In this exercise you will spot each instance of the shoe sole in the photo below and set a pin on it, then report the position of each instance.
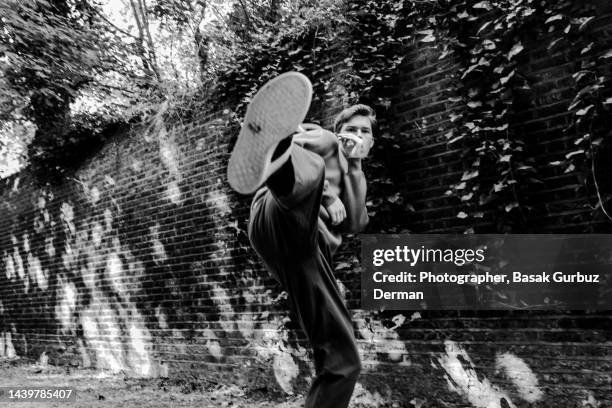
(275, 112)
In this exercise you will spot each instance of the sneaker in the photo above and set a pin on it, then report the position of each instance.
(275, 113)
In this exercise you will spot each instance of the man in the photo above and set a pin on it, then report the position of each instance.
(314, 190)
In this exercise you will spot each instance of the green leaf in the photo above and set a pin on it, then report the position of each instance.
(504, 80)
(516, 49)
(587, 48)
(584, 111)
(584, 22)
(554, 43)
(574, 153)
(488, 45)
(582, 139)
(578, 76)
(483, 27)
(468, 175)
(511, 206)
(554, 18)
(394, 198)
(483, 5)
(456, 139)
(454, 117)
(427, 39)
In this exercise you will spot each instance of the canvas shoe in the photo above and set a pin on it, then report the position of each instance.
(275, 113)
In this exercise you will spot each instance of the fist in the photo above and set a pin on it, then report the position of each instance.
(354, 146)
(337, 212)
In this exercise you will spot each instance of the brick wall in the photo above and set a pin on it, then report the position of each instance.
(429, 165)
(140, 263)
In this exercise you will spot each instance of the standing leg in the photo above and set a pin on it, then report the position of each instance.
(329, 328)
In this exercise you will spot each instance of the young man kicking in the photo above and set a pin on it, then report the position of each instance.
(313, 190)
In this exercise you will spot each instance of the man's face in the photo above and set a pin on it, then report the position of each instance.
(360, 126)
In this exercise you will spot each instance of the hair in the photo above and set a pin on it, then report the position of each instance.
(354, 110)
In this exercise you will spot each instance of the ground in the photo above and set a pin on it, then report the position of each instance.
(102, 389)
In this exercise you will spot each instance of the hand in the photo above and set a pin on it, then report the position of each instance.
(337, 212)
(354, 146)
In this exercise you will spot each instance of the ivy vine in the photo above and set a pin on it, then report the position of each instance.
(369, 41)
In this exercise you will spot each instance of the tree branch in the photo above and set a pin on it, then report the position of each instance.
(143, 54)
(112, 25)
(246, 14)
(151, 46)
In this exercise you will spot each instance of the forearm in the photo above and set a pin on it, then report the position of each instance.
(354, 197)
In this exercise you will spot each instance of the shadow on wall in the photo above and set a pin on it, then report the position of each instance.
(131, 266)
(66, 286)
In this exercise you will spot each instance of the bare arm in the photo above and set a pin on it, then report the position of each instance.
(354, 197)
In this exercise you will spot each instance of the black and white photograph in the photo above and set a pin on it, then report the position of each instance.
(306, 203)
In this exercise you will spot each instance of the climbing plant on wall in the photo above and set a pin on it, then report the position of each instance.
(490, 35)
(591, 104)
(488, 38)
(370, 40)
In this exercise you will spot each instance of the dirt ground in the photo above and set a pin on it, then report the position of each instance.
(102, 389)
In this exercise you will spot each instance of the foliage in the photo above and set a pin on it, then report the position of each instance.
(352, 50)
(298, 37)
(491, 37)
(379, 34)
(592, 102)
(487, 37)
(51, 52)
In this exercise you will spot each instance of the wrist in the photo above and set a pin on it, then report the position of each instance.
(354, 163)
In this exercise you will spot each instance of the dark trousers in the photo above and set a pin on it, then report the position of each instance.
(284, 230)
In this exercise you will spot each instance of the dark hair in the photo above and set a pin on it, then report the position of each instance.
(348, 113)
